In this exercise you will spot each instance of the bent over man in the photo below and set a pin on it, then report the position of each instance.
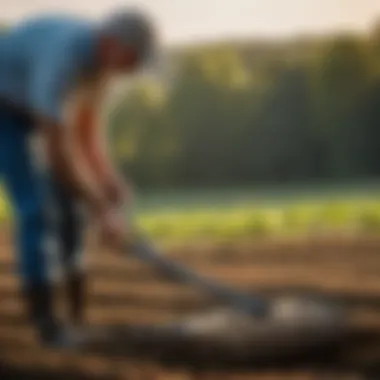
(52, 71)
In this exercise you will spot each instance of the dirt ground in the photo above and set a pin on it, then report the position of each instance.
(347, 269)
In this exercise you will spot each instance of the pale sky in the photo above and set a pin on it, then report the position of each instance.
(190, 20)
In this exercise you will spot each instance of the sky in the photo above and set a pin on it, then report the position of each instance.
(183, 21)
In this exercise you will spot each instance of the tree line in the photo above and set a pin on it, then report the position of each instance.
(235, 112)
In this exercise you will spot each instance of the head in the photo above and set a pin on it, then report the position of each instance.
(126, 42)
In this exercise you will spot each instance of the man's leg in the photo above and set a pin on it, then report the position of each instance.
(69, 230)
(25, 185)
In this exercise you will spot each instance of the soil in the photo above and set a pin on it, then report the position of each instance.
(346, 269)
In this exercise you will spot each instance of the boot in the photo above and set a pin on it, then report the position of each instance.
(76, 297)
(40, 309)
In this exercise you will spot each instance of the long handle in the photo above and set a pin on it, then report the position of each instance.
(145, 251)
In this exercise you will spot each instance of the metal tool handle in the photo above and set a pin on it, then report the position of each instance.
(144, 251)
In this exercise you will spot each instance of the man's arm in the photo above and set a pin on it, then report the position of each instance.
(92, 141)
(68, 166)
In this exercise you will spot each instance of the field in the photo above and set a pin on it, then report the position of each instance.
(124, 292)
(345, 266)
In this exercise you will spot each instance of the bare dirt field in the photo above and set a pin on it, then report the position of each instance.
(347, 269)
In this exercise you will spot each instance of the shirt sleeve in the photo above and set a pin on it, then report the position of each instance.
(53, 77)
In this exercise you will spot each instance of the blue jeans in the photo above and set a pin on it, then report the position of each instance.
(32, 193)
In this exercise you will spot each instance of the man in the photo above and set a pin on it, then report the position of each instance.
(52, 71)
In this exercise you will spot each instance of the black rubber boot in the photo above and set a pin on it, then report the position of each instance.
(76, 297)
(40, 309)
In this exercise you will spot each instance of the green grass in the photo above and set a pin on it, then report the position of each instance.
(232, 224)
(5, 209)
(232, 214)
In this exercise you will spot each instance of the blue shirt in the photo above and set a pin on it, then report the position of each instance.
(41, 59)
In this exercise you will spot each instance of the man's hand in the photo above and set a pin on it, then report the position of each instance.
(112, 228)
(117, 192)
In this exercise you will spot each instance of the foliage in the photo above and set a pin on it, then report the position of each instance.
(250, 223)
(261, 111)
(248, 213)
